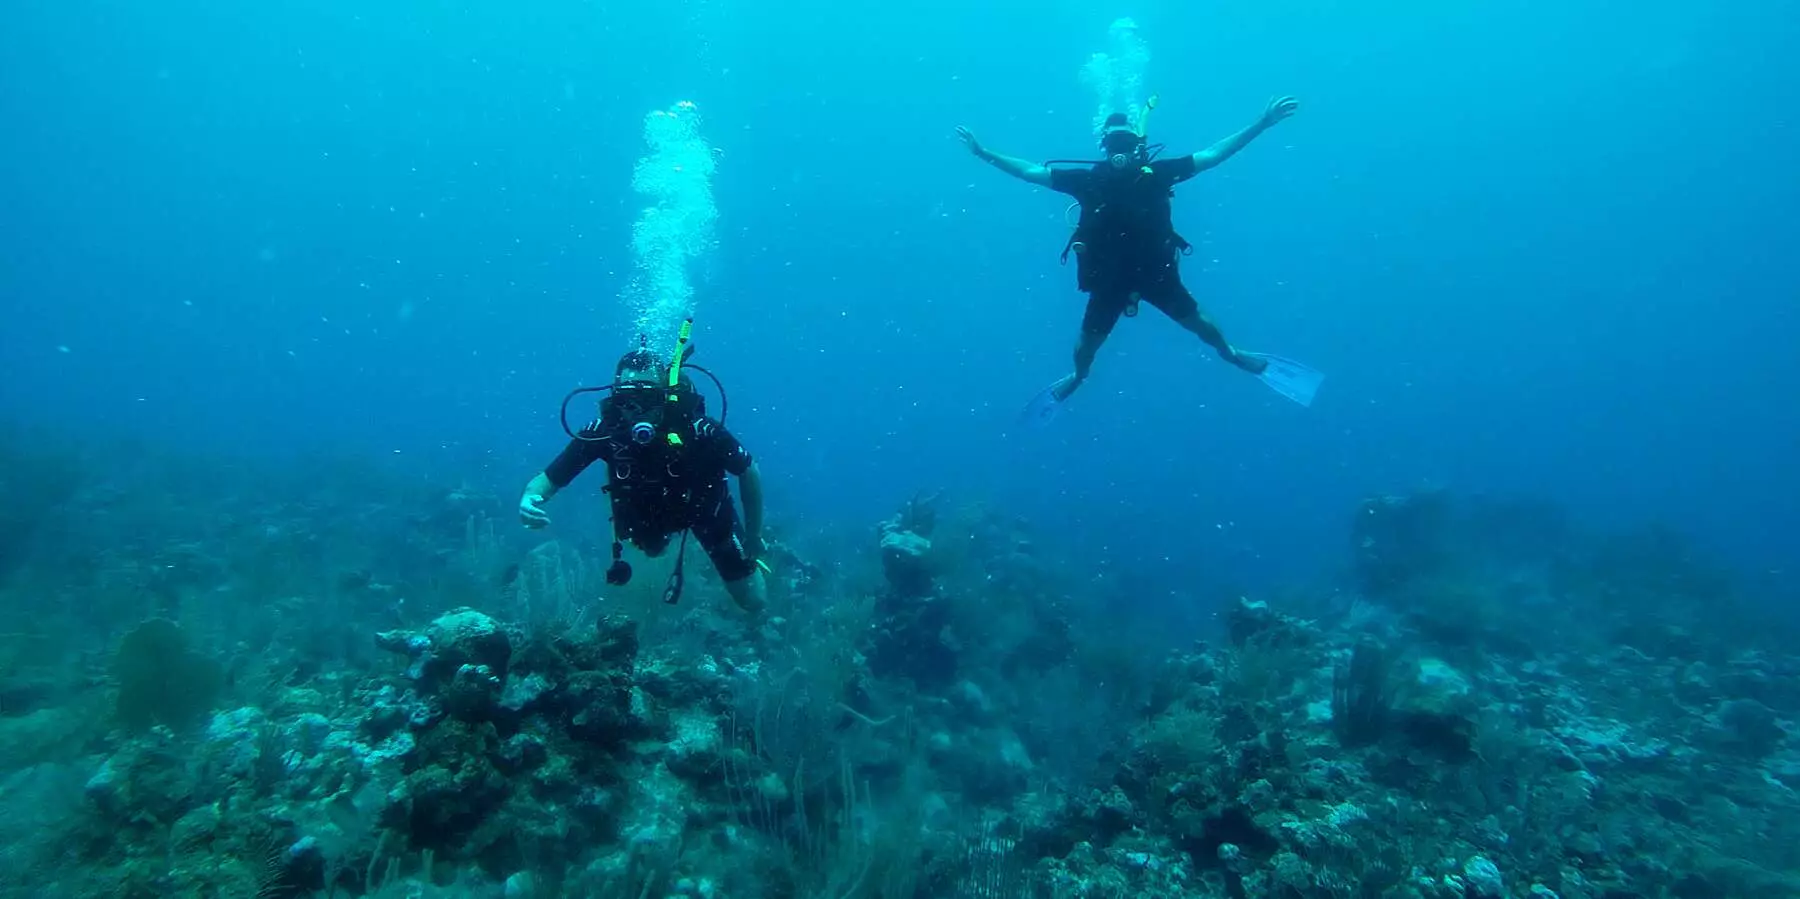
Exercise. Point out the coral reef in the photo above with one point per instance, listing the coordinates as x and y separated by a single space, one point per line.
1494 706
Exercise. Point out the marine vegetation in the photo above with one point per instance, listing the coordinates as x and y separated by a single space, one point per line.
344 685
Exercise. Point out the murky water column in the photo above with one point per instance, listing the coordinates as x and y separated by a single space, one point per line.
673 235
1116 75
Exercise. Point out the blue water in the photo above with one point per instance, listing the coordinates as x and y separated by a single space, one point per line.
1539 247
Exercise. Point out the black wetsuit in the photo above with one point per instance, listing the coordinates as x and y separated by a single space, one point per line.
659 491
1127 240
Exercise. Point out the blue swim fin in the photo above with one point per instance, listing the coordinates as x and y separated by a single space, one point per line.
1044 407
1289 378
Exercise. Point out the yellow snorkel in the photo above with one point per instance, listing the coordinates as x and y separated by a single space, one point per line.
681 343
1143 122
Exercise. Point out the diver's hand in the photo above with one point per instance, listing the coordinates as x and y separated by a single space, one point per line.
530 514
754 547
1278 109
968 139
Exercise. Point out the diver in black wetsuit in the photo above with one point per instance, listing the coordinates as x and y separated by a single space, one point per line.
666 463
1125 244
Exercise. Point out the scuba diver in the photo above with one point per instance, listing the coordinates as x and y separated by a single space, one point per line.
1126 248
666 464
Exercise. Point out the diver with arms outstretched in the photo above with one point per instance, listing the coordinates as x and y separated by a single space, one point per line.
1126 247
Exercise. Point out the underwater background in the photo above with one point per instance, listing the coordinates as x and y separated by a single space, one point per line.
292 293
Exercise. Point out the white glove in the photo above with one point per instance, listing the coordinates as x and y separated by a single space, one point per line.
529 513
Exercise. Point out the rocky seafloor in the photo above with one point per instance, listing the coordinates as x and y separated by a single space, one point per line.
1486 703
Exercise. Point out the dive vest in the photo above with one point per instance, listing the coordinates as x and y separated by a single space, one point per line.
654 485
1127 222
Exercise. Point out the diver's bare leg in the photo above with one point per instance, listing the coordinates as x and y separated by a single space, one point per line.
1198 323
750 593
1086 348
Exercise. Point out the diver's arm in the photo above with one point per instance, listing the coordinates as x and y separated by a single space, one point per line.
537 491
1022 169
1018 168
1227 148
750 487
1278 109
541 486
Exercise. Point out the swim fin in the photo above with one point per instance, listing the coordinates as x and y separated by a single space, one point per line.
1043 407
1289 378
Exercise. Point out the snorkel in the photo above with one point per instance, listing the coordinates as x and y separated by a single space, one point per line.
1143 124
680 356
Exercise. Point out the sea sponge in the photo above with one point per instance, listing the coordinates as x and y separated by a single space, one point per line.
161 680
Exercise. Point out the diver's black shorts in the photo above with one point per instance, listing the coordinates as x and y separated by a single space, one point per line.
714 524
1106 304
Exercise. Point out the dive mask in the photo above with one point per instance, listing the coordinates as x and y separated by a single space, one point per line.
642 405
1123 147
